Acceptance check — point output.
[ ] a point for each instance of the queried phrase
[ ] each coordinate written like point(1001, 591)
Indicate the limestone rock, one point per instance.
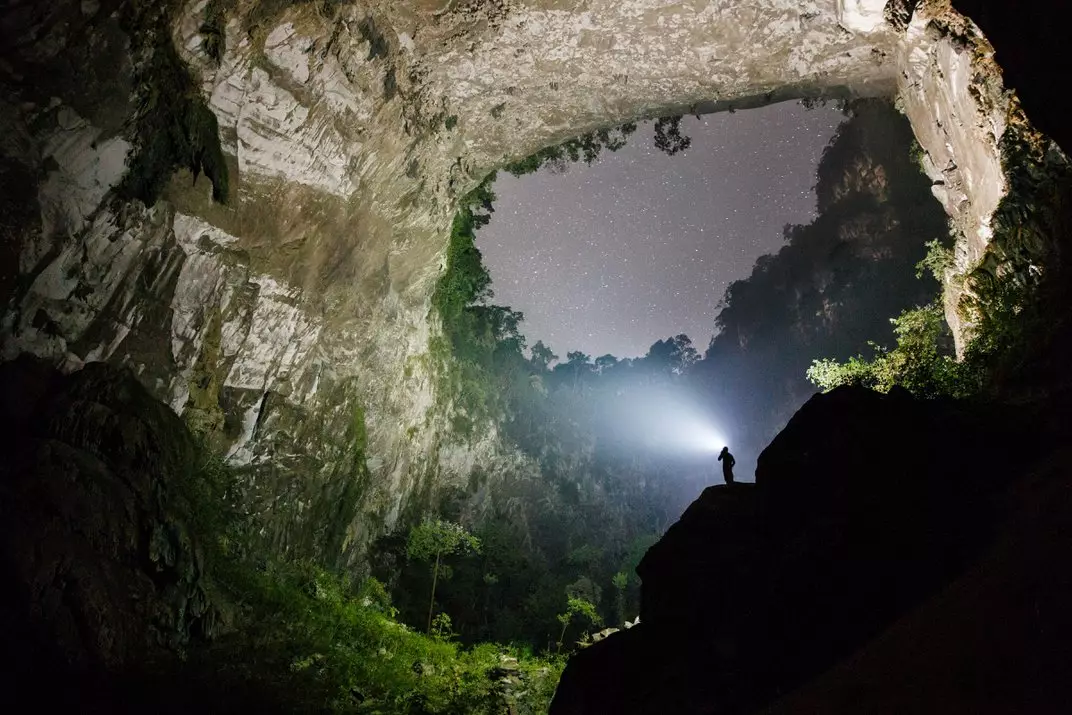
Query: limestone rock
point(350, 130)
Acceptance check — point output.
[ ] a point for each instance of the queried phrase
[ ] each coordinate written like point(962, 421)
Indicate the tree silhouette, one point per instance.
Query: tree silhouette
point(542, 356)
point(668, 136)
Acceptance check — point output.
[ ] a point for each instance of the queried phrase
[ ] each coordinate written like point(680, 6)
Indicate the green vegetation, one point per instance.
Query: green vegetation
point(172, 127)
point(586, 148)
point(604, 490)
point(604, 493)
point(918, 363)
point(668, 136)
point(535, 533)
point(1013, 305)
point(480, 337)
point(436, 538)
point(576, 607)
point(1017, 294)
point(303, 639)
point(315, 642)
point(938, 260)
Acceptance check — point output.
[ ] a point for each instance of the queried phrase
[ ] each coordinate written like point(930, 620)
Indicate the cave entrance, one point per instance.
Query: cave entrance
point(638, 243)
point(690, 269)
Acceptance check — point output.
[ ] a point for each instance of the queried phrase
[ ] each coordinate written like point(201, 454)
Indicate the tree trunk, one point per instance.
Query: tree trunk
point(431, 601)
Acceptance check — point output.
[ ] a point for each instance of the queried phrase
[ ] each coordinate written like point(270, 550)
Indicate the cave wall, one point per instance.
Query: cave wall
point(291, 325)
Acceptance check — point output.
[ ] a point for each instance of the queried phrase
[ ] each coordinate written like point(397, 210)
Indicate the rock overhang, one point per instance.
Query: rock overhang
point(351, 134)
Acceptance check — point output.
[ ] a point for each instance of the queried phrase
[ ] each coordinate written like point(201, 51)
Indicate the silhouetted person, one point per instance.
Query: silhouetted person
point(727, 464)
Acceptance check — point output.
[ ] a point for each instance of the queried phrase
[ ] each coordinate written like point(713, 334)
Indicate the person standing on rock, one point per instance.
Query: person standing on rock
point(727, 464)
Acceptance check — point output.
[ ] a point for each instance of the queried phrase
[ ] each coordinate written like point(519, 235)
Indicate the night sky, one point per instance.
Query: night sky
point(640, 246)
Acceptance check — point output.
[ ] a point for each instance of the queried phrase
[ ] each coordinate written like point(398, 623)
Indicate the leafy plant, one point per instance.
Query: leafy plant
point(307, 640)
point(434, 538)
point(668, 136)
point(586, 148)
point(939, 258)
point(1016, 294)
point(576, 607)
point(922, 362)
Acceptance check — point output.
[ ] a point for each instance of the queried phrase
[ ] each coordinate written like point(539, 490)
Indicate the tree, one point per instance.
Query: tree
point(576, 607)
point(542, 356)
point(668, 136)
point(671, 356)
point(605, 362)
point(921, 363)
point(437, 538)
point(620, 581)
point(578, 366)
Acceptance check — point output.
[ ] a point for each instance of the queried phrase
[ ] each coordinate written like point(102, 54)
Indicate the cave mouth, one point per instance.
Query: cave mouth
point(240, 345)
point(608, 253)
point(695, 267)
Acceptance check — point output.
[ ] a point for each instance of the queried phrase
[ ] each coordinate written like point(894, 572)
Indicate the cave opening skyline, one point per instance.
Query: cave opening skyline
point(638, 246)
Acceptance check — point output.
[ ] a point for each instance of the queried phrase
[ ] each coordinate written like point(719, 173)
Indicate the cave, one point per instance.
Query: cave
point(270, 316)
point(246, 207)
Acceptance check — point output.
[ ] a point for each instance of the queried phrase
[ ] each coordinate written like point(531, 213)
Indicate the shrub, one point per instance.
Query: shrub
point(922, 362)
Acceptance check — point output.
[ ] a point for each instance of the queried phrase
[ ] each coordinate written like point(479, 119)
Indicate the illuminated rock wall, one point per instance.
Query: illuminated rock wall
point(292, 325)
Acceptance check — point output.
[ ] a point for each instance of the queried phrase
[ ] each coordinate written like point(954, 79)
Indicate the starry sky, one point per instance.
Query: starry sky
point(640, 246)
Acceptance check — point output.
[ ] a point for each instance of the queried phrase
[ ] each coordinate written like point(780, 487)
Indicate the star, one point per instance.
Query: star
point(643, 218)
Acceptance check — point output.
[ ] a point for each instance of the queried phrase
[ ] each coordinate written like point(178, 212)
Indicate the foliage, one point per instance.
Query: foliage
point(668, 136)
point(1010, 304)
point(210, 498)
point(1014, 305)
point(314, 643)
point(172, 127)
point(576, 607)
point(817, 297)
point(586, 147)
point(436, 538)
point(303, 639)
point(938, 260)
point(604, 493)
point(677, 354)
point(922, 362)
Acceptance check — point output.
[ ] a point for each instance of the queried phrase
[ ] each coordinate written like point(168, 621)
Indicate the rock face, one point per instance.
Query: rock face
point(292, 325)
point(862, 510)
point(99, 570)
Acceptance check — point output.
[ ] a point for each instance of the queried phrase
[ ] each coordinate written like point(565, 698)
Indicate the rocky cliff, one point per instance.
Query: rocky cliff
point(872, 519)
point(291, 324)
